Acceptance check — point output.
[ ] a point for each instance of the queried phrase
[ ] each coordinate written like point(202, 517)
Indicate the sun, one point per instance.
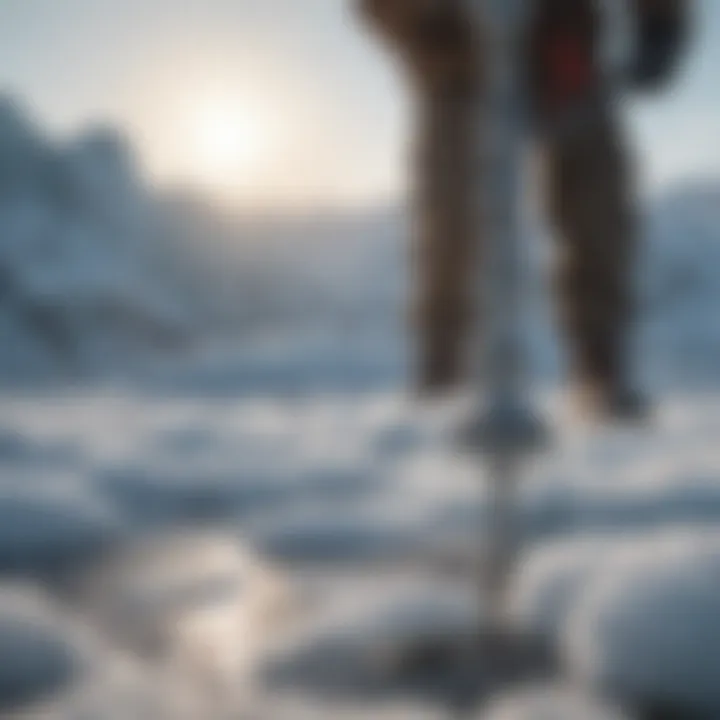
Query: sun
point(229, 145)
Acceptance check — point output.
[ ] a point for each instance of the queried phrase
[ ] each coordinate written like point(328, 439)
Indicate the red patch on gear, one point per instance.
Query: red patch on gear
point(569, 68)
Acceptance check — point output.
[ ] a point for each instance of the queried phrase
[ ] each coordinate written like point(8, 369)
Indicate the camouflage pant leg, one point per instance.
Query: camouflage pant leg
point(592, 208)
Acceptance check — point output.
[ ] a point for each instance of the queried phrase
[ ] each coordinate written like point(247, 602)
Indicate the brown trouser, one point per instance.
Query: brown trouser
point(589, 198)
point(590, 203)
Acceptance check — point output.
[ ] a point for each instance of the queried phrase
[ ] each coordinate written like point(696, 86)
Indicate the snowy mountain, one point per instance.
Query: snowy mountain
point(98, 268)
point(79, 280)
point(679, 284)
point(99, 271)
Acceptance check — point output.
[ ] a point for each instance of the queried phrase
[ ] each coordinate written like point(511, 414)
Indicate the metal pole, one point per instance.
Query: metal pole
point(504, 429)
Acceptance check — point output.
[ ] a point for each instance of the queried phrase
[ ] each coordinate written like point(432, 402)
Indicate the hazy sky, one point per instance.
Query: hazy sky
point(276, 99)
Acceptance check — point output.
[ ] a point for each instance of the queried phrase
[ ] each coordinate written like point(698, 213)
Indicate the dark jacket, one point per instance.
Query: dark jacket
point(439, 43)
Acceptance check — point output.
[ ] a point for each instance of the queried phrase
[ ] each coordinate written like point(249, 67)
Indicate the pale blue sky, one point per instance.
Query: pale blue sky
point(332, 103)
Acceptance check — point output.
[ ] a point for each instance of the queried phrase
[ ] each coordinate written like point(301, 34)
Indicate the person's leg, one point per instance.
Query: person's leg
point(439, 53)
point(592, 203)
point(446, 237)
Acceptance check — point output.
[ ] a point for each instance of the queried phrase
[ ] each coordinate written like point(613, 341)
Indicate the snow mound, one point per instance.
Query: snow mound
point(551, 704)
point(299, 707)
point(36, 660)
point(46, 532)
point(648, 630)
point(193, 492)
point(552, 581)
point(396, 638)
point(53, 666)
point(199, 600)
point(348, 536)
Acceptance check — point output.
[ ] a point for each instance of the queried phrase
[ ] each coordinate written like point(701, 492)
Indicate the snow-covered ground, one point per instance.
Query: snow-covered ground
point(270, 528)
point(180, 554)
